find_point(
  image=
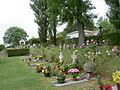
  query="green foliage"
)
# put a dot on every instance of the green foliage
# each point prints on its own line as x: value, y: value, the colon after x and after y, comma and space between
x: 18, y: 52
x: 39, y: 7
x: 1, y: 47
x: 88, y: 67
x: 13, y: 35
x: 114, y: 13
x: 33, y: 41
x: 60, y: 75
x: 107, y: 27
x: 73, y: 12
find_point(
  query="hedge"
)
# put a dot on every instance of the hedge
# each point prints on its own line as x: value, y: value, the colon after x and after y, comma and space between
x: 18, y: 52
x: 1, y: 47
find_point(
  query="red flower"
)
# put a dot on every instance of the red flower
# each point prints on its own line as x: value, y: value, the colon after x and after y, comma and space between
x: 54, y: 68
x: 106, y: 86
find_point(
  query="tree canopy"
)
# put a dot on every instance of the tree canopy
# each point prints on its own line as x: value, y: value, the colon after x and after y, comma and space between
x: 13, y: 35
x: 73, y: 11
x: 114, y: 13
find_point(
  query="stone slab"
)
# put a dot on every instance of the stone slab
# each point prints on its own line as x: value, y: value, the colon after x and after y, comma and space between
x: 70, y: 81
x: 39, y: 63
x: 114, y: 88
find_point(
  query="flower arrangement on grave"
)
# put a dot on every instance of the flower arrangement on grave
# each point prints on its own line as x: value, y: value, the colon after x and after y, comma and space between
x: 65, y: 68
x: 89, y: 68
x: 47, y: 71
x: 60, y: 77
x: 74, y: 72
x: 53, y: 70
x: 38, y: 69
x: 116, y: 78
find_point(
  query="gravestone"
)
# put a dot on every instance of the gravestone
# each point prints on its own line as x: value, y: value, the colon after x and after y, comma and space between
x: 64, y: 46
x: 5, y: 52
x: 74, y: 56
x: 60, y: 46
x: 60, y: 56
x: 73, y: 45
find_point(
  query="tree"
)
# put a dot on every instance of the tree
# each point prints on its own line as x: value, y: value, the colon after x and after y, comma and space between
x: 114, y: 13
x: 73, y: 11
x: 39, y: 7
x: 13, y: 35
x: 107, y: 27
x: 33, y: 41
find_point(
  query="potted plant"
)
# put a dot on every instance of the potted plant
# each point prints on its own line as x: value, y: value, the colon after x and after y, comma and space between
x: 116, y: 78
x: 60, y: 77
x: 38, y: 69
x: 65, y: 68
x: 47, y: 71
x: 74, y: 72
x: 89, y: 68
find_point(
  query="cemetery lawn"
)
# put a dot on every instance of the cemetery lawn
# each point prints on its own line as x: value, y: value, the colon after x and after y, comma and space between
x: 15, y: 75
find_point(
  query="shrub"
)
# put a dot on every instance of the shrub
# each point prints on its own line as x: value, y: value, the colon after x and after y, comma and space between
x: 1, y: 47
x: 18, y: 52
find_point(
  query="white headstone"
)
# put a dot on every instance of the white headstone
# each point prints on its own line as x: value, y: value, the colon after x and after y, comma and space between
x: 60, y: 56
x: 73, y: 56
x: 73, y: 45
x: 64, y: 46
x: 60, y: 46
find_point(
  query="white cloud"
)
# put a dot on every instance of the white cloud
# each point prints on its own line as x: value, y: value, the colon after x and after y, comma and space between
x: 18, y: 13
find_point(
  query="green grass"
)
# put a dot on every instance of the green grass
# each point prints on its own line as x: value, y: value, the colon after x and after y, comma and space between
x: 15, y: 75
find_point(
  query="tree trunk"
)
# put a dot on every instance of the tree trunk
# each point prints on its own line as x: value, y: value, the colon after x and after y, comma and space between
x: 81, y: 34
x: 54, y: 32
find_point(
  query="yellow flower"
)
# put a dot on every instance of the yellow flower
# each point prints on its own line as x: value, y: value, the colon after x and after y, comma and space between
x: 116, y: 77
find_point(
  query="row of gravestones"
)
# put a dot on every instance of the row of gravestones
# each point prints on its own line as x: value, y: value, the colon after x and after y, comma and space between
x: 64, y: 46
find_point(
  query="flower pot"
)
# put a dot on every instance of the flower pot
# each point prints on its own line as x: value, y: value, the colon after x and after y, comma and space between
x: 60, y: 81
x: 90, y: 74
x: 47, y: 75
x: 74, y: 79
x: 64, y: 72
x: 118, y: 86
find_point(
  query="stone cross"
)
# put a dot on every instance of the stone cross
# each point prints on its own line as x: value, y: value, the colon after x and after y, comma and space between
x: 60, y: 56
x: 73, y: 56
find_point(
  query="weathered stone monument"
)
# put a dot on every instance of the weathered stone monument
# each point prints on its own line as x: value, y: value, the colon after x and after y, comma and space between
x: 60, y: 56
x: 74, y: 56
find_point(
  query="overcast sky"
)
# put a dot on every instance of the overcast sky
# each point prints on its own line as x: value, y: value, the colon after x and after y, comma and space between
x: 18, y: 13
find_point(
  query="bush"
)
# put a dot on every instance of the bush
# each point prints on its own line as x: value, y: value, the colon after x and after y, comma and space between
x: 18, y: 52
x: 1, y: 47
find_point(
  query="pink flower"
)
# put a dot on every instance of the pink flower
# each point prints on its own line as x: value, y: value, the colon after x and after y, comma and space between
x: 87, y: 43
x: 81, y: 47
x: 104, y: 41
x: 92, y: 40
x: 96, y: 43
x: 113, y: 50
x: 74, y: 70
x: 83, y: 44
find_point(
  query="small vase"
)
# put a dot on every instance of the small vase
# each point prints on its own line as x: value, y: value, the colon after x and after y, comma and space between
x: 118, y: 86
x: 74, y: 79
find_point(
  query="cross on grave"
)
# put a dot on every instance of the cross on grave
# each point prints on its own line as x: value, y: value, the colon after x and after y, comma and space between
x: 60, y: 56
x: 73, y: 56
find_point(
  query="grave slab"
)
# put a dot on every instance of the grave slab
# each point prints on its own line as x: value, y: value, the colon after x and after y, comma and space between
x: 38, y: 63
x: 70, y: 81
